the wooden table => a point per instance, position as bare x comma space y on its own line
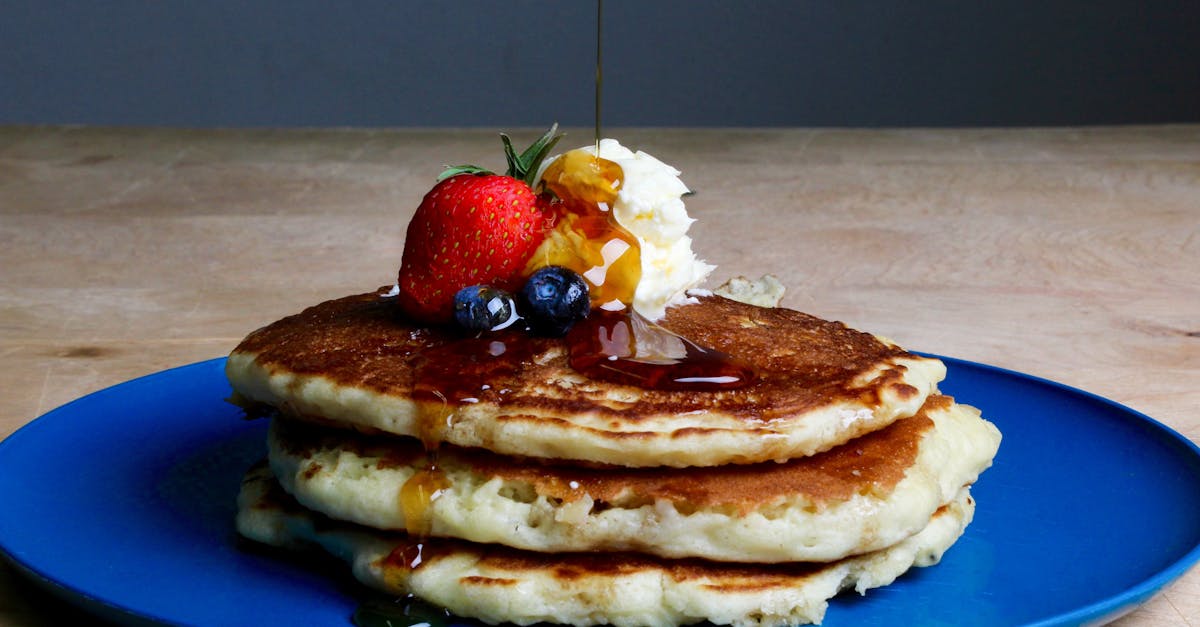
1072, 254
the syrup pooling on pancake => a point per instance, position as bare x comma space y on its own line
624, 347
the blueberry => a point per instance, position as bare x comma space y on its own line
484, 308
554, 299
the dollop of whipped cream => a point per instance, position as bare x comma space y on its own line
650, 206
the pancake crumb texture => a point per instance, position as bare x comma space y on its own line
502, 585
859, 497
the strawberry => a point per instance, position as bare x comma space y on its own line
473, 228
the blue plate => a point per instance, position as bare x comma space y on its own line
123, 501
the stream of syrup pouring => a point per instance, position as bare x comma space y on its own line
613, 343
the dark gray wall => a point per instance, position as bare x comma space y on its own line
667, 62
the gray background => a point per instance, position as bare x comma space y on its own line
667, 63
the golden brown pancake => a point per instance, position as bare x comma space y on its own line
498, 584
357, 362
861, 496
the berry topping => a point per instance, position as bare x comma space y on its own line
483, 308
554, 299
473, 228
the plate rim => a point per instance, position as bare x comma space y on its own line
1135, 596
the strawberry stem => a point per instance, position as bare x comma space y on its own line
522, 167
525, 165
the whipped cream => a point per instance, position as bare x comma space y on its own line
650, 206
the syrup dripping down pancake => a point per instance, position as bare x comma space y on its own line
356, 362
858, 497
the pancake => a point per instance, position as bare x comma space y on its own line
356, 362
497, 584
861, 496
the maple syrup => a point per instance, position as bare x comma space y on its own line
586, 238
380, 611
419, 492
447, 379
614, 343
599, 66
417, 496
626, 348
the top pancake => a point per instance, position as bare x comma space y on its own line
358, 362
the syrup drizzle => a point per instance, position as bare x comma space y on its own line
586, 237
626, 348
425, 486
449, 378
446, 380
615, 343
599, 67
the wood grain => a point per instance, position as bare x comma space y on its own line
1070, 254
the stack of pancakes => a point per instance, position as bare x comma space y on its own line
486, 476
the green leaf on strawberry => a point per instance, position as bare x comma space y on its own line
525, 165
522, 167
